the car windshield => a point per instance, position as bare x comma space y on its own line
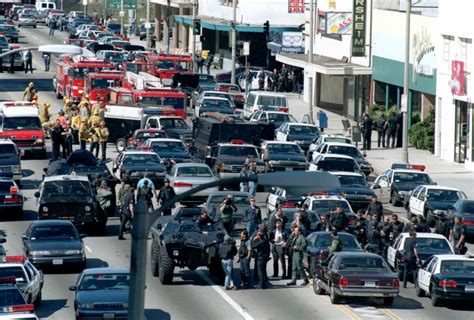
168, 146
323, 241
458, 267
113, 56
304, 130
372, 263
21, 123
217, 94
280, 117
11, 297
238, 151
165, 65
432, 244
5, 186
16, 272
345, 150
467, 207
337, 139
443, 195
173, 123
269, 101
141, 159
284, 148
7, 149
53, 232
209, 102
194, 172
143, 136
107, 281
239, 201
353, 181
104, 83
324, 206
412, 177
71, 188
347, 165
113, 26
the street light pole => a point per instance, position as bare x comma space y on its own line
234, 40
147, 25
406, 84
193, 44
310, 61
122, 14
168, 22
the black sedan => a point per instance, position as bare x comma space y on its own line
54, 242
102, 293
11, 199
464, 209
356, 274
319, 242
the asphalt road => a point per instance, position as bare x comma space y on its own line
193, 295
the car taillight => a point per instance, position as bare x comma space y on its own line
288, 204
182, 184
283, 109
12, 200
343, 282
21, 308
396, 283
448, 283
467, 221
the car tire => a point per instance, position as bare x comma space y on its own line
155, 256
120, 144
317, 286
393, 200
38, 300
419, 293
166, 268
435, 301
388, 301
333, 296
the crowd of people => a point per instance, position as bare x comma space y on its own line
387, 126
283, 80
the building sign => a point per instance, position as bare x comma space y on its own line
292, 42
321, 21
116, 5
422, 46
358, 27
338, 23
295, 6
457, 78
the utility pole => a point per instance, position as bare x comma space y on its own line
406, 84
122, 14
148, 24
168, 22
310, 60
234, 39
193, 43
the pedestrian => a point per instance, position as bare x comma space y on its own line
336, 243
360, 230
57, 139
151, 185
339, 219
323, 224
273, 80
261, 79
29, 92
200, 62
261, 247
227, 252
44, 112
248, 81
227, 210
132, 23
28, 61
52, 26
297, 222
375, 207
411, 259
253, 216
11, 69
323, 120
381, 129
47, 60
278, 216
396, 227
75, 124
244, 256
422, 225
457, 236
83, 134
126, 209
244, 185
62, 118
367, 125
94, 138
144, 193
443, 225
375, 236
68, 139
252, 172
209, 59
1, 60
278, 238
166, 193
283, 78
298, 245
103, 137
391, 126
104, 198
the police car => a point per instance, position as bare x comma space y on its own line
446, 277
12, 302
29, 280
428, 244
326, 138
396, 183
428, 200
279, 198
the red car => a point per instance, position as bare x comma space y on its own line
139, 137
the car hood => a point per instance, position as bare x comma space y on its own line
195, 180
354, 190
9, 161
302, 137
238, 160
177, 132
67, 199
141, 168
55, 245
286, 157
102, 296
405, 186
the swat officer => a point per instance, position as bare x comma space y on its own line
396, 227
298, 245
360, 230
126, 210
375, 236
411, 259
339, 219
443, 225
375, 208
458, 236
166, 193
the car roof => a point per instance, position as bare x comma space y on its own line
233, 193
216, 92
236, 145
327, 197
301, 124
128, 152
433, 187
356, 254
342, 144
454, 257
279, 142
20, 111
408, 171
346, 173
55, 222
335, 155
65, 178
164, 140
424, 235
190, 164
6, 141
105, 270
214, 98
265, 93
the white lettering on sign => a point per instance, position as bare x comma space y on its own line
358, 30
422, 45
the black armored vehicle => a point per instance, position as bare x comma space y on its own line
178, 241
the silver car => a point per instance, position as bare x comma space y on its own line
26, 19
185, 176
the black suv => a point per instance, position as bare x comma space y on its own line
10, 164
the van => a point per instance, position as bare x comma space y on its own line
45, 5
265, 101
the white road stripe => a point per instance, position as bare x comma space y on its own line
225, 296
35, 37
88, 249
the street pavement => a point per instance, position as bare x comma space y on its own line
194, 294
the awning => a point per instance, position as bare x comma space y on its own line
323, 65
225, 25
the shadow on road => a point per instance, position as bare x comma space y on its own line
156, 314
96, 263
30, 215
30, 184
49, 307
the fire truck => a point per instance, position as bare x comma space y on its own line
165, 66
69, 78
19, 121
145, 90
99, 84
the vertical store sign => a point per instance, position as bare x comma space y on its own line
457, 78
295, 6
358, 28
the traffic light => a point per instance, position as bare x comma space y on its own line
266, 28
196, 27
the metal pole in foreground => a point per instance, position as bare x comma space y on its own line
147, 24
310, 60
234, 40
122, 14
406, 84
168, 22
136, 295
193, 44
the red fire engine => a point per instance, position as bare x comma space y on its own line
144, 90
69, 81
164, 65
99, 84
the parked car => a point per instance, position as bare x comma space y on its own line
265, 101
28, 20
464, 209
275, 117
301, 133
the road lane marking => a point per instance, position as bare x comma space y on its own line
34, 37
88, 249
344, 309
391, 314
225, 296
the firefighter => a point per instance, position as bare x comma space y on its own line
95, 119
103, 137
94, 138
30, 92
75, 124
44, 113
83, 134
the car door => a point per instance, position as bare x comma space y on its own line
35, 281
381, 188
419, 201
425, 273
280, 135
392, 251
413, 203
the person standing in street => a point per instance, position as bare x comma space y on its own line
261, 79
253, 216
68, 138
367, 131
47, 60
391, 127
457, 236
248, 81
244, 256
29, 92
336, 244
278, 238
252, 171
339, 219
144, 193
209, 59
126, 209
227, 252
298, 245
52, 26
443, 225
94, 137
227, 210
411, 259
103, 137
380, 126
261, 247
57, 139
11, 69
83, 134
166, 193
104, 198
375, 208
28, 61
277, 216
323, 224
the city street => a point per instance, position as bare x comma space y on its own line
194, 294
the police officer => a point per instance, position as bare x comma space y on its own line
28, 61
336, 244
278, 238
443, 225
391, 126
380, 125
458, 236
298, 245
375, 208
323, 224
411, 259
396, 227
422, 225
339, 219
360, 230
375, 236
126, 210
244, 256
261, 247
367, 131
166, 193
253, 216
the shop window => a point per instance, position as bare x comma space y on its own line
464, 49
446, 48
415, 107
